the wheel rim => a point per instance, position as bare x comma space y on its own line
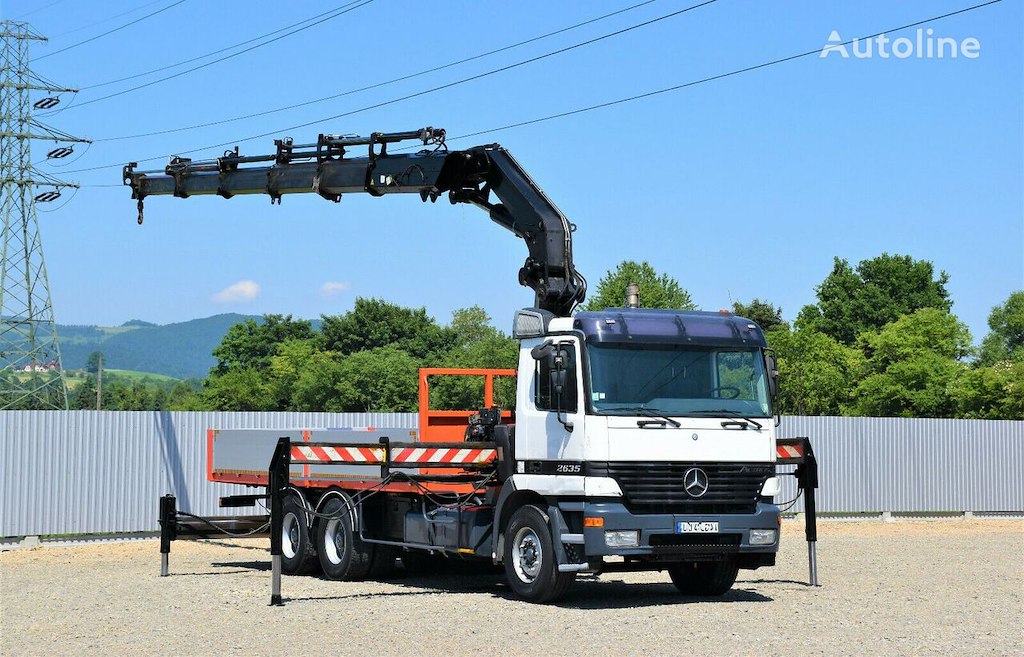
527, 555
290, 535
334, 541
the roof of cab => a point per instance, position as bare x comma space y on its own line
649, 325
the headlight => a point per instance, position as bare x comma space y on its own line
763, 536
622, 539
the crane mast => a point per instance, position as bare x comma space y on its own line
471, 175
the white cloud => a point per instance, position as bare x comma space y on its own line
334, 288
240, 291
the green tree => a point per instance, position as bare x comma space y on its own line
656, 290
242, 379
92, 362
880, 291
316, 389
911, 366
286, 366
478, 345
83, 396
375, 323
305, 378
1005, 340
470, 325
991, 392
767, 316
187, 396
240, 389
252, 343
817, 373
384, 380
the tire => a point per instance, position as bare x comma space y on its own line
298, 556
529, 556
704, 577
342, 555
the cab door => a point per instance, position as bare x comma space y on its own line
549, 425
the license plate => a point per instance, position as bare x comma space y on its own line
684, 527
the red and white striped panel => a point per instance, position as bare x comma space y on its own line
338, 454
789, 451
455, 455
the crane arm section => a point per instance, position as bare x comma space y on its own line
471, 176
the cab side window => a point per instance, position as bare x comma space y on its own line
543, 396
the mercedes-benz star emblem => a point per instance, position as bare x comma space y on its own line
695, 482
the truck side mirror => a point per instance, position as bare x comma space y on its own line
773, 374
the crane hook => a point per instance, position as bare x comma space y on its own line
140, 212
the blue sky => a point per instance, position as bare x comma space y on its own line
742, 187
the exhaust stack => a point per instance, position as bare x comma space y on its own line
632, 295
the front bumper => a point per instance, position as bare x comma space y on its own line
658, 540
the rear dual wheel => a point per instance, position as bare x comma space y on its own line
332, 544
298, 556
343, 555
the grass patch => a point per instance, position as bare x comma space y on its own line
133, 375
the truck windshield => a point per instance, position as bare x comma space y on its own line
677, 380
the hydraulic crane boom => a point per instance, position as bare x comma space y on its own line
324, 168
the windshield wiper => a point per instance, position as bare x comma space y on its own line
729, 414
649, 412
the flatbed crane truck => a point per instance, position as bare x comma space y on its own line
639, 439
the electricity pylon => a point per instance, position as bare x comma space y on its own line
31, 373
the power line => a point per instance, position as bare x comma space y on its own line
433, 89
361, 3
378, 84
692, 83
213, 52
116, 29
722, 76
107, 19
38, 9
712, 78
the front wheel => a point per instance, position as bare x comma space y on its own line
704, 577
529, 556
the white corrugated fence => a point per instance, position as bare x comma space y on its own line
88, 472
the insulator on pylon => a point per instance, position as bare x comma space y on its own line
47, 103
46, 197
60, 151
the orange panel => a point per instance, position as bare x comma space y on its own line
450, 426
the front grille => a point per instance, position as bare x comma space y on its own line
658, 487
695, 542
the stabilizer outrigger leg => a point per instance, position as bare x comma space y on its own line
798, 451
168, 520
277, 483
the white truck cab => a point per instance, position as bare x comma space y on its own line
647, 435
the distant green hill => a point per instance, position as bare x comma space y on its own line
182, 350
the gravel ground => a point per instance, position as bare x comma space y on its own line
940, 587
